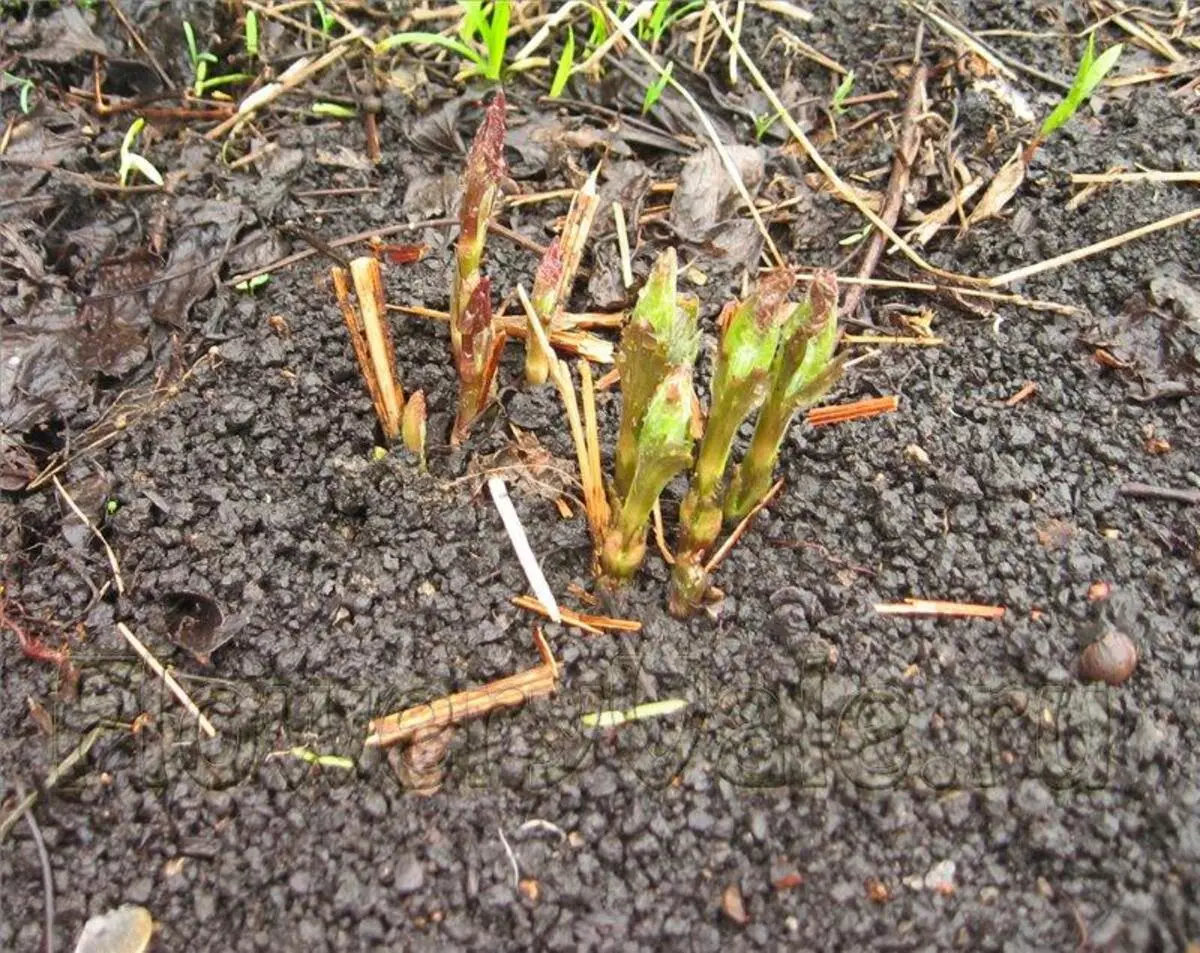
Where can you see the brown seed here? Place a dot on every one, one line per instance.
(877, 890)
(530, 889)
(1111, 659)
(1099, 591)
(733, 906)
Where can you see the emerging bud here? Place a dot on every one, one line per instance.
(413, 424)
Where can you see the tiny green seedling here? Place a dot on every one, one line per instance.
(1091, 72)
(617, 717)
(131, 161)
(763, 124)
(856, 237)
(842, 93)
(111, 507)
(250, 285)
(378, 454)
(334, 110)
(25, 88)
(662, 18)
(251, 32)
(563, 72)
(599, 28)
(201, 61)
(655, 90)
(326, 19)
(482, 26)
(308, 756)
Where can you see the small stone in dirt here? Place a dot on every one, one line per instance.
(124, 930)
(1111, 658)
(877, 890)
(410, 876)
(733, 906)
(530, 889)
(941, 878)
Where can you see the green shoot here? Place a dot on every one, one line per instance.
(24, 89)
(131, 161)
(763, 123)
(327, 19)
(334, 110)
(563, 72)
(842, 93)
(201, 83)
(655, 90)
(599, 28)
(1091, 72)
(251, 32)
(250, 285)
(481, 26)
(662, 18)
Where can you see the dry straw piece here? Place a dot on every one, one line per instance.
(371, 339)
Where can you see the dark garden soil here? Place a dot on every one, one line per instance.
(862, 781)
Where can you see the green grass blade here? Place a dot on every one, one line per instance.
(134, 161)
(1099, 69)
(497, 39)
(387, 44)
(655, 90)
(563, 72)
(189, 36)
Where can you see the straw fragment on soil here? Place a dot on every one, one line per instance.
(939, 607)
(508, 692)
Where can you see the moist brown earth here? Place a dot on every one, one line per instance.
(865, 781)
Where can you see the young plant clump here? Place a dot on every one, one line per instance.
(474, 337)
(658, 351)
(750, 333)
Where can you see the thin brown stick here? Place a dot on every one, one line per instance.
(112, 557)
(660, 535)
(507, 692)
(141, 44)
(1147, 491)
(168, 679)
(596, 624)
(1095, 248)
(740, 530)
(516, 238)
(858, 410)
(907, 147)
(939, 607)
(1148, 175)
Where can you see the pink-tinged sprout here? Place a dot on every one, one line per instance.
(474, 339)
(545, 303)
(664, 450)
(556, 275)
(750, 332)
(804, 369)
(661, 335)
(412, 426)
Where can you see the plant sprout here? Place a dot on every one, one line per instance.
(25, 88)
(251, 33)
(482, 26)
(803, 370)
(563, 72)
(750, 332)
(655, 90)
(201, 81)
(328, 20)
(662, 18)
(1088, 76)
(474, 338)
(842, 93)
(131, 161)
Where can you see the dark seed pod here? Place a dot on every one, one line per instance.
(1111, 658)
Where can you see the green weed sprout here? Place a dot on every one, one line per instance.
(803, 370)
(842, 93)
(565, 62)
(482, 25)
(327, 19)
(201, 61)
(25, 88)
(131, 161)
(251, 34)
(655, 90)
(474, 338)
(664, 16)
(664, 450)
(660, 336)
(1091, 72)
(750, 332)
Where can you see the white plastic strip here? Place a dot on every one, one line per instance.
(516, 532)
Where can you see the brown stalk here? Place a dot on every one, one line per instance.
(939, 607)
(371, 339)
(595, 624)
(907, 147)
(858, 410)
(508, 692)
